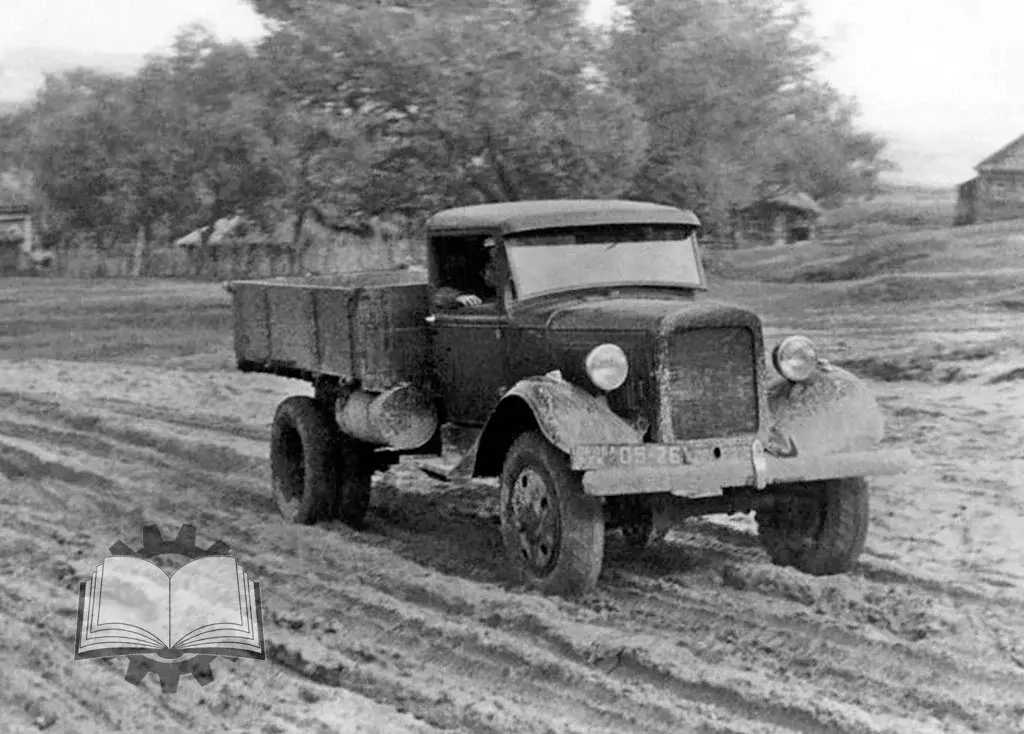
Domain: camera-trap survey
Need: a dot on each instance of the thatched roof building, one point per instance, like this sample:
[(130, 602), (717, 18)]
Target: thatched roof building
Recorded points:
[(779, 216)]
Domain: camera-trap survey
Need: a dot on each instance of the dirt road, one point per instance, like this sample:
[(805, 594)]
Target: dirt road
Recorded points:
[(119, 407)]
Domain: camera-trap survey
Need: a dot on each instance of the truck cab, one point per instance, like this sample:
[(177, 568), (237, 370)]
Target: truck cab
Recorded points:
[(542, 255)]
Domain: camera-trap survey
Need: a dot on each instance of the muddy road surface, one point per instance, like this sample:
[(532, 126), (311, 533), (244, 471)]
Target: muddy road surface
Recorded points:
[(119, 408)]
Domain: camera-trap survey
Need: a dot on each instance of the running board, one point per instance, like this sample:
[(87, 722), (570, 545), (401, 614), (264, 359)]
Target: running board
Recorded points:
[(442, 467), (448, 467), (436, 468)]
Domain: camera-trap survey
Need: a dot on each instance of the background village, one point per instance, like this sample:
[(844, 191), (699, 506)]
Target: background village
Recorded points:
[(324, 145), (322, 241)]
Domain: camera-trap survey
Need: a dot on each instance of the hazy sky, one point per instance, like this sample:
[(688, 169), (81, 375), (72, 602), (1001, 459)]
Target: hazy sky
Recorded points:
[(942, 79)]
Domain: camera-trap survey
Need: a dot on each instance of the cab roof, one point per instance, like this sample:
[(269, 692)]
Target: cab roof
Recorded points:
[(520, 216)]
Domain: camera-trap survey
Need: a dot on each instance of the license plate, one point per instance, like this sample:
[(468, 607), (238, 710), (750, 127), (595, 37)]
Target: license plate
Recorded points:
[(606, 456)]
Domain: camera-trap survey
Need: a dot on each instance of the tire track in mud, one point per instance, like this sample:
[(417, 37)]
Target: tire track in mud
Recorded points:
[(94, 439), (450, 604), (873, 647), (85, 440), (466, 656), (746, 633), (111, 419), (600, 662), (627, 669)]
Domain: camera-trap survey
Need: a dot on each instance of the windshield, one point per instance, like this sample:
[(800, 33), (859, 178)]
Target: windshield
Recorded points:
[(549, 262)]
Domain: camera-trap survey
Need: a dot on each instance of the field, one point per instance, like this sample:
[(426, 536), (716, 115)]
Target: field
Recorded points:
[(119, 407)]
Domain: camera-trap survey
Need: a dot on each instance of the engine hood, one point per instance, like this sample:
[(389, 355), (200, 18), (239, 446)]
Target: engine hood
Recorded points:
[(560, 334), (644, 315)]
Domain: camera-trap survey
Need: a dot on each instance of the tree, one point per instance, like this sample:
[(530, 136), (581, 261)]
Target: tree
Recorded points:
[(75, 145), (181, 143), (729, 93), (460, 102)]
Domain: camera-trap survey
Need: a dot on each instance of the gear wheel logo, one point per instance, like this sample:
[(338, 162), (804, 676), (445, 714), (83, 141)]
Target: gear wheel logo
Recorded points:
[(168, 665)]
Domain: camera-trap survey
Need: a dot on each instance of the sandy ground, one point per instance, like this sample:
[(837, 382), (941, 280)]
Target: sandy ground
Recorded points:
[(119, 407)]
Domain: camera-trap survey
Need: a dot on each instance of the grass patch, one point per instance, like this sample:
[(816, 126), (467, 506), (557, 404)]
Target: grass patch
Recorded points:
[(896, 207), (126, 321), (938, 364), (926, 287)]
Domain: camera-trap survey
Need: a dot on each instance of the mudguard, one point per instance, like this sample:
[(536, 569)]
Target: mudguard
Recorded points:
[(564, 414), (832, 412)]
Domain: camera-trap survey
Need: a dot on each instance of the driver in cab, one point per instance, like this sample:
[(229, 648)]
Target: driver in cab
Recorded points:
[(448, 298)]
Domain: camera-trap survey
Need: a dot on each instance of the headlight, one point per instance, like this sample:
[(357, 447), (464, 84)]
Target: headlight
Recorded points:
[(607, 366), (795, 358)]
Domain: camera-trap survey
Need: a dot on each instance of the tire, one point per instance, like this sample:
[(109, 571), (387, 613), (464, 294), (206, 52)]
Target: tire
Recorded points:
[(303, 451), (354, 472), (553, 532), (820, 533)]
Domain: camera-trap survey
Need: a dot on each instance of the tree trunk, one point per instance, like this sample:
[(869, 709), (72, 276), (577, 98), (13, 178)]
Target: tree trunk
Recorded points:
[(141, 241), (203, 250), (297, 232)]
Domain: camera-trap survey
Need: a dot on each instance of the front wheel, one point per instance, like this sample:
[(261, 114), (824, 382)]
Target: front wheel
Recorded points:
[(552, 530), (820, 531)]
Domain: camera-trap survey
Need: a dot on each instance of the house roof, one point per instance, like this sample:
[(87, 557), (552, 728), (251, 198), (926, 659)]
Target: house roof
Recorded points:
[(12, 202), (1008, 158), (788, 197), (519, 216), (796, 200), (241, 230), (222, 228)]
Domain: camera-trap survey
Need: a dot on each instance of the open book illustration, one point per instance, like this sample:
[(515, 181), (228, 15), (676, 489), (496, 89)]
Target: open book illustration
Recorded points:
[(208, 606)]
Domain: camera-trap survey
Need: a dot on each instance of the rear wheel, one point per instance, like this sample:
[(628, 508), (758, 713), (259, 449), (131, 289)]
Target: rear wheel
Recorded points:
[(303, 447), (821, 530), (552, 530)]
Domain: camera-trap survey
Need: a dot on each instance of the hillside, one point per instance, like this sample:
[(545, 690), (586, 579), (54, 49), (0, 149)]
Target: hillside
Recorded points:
[(875, 278)]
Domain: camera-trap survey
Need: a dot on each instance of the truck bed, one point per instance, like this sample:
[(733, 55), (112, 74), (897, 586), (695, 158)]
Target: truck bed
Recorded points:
[(367, 326)]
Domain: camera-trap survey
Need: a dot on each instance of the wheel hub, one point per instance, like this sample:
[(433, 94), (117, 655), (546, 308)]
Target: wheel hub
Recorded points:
[(535, 514)]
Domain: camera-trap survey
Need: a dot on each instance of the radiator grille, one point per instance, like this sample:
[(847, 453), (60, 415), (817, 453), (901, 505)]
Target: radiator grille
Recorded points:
[(713, 383)]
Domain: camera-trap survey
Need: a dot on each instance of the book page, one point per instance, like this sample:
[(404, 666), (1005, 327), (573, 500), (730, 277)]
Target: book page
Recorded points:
[(241, 630), (109, 640), (206, 592), (132, 596), (245, 640)]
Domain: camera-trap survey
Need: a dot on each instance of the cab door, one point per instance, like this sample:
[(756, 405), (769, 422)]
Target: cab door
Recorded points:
[(469, 354)]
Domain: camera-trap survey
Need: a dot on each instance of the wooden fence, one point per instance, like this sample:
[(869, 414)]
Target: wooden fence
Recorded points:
[(254, 259)]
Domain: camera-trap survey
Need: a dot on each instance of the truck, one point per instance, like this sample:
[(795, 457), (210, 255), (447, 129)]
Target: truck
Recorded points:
[(571, 350)]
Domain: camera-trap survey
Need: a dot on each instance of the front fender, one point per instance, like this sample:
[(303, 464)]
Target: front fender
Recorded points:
[(562, 412), (832, 412)]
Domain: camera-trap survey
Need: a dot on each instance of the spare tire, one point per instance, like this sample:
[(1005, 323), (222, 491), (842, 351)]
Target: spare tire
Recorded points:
[(303, 463)]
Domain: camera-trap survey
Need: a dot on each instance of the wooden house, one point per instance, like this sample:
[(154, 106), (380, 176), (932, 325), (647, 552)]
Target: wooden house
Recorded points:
[(319, 241), (16, 238), (778, 217), (997, 192)]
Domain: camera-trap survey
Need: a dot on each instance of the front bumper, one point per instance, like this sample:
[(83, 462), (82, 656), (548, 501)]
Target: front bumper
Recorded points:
[(708, 479)]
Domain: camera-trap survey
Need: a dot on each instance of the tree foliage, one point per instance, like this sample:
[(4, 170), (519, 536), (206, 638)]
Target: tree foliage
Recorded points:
[(728, 88), (366, 108)]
